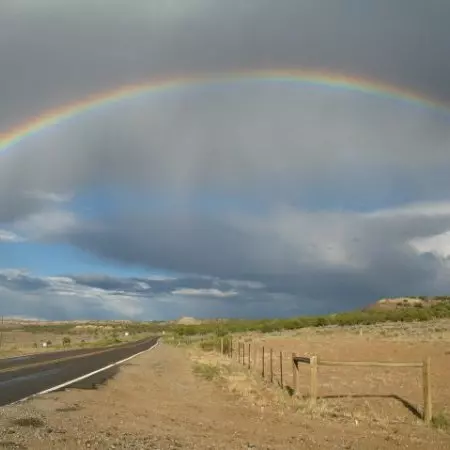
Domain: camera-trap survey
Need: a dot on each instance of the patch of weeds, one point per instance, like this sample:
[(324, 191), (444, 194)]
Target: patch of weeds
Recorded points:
[(290, 390), (69, 408), (228, 370), (331, 331), (441, 422), (207, 371), (33, 422), (12, 445)]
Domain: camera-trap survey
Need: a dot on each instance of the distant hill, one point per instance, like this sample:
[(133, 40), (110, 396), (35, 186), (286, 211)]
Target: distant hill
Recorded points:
[(193, 321), (406, 302), (188, 321)]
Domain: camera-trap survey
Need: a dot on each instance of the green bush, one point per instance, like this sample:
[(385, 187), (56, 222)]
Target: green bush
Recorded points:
[(206, 371), (215, 330), (441, 421), (215, 343)]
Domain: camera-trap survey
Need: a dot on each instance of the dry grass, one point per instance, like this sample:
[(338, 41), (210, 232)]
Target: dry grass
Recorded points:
[(382, 396), (33, 422), (239, 380), (19, 342), (441, 421), (207, 371)]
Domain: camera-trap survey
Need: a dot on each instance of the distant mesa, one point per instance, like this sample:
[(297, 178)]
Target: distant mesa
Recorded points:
[(188, 321), (407, 302)]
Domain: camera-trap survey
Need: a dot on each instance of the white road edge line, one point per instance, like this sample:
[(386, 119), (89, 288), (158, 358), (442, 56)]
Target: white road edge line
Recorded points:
[(83, 377)]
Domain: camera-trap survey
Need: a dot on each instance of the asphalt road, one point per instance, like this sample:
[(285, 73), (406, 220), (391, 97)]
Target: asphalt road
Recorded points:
[(24, 376)]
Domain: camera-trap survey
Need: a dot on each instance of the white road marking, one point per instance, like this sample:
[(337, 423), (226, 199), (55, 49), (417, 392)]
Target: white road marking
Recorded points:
[(83, 377)]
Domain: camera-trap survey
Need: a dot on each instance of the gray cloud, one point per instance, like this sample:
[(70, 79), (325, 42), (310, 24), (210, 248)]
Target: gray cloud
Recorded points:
[(403, 42), (249, 185), (312, 261), (9, 236), (271, 141), (285, 262), (215, 293), (99, 296), (285, 242)]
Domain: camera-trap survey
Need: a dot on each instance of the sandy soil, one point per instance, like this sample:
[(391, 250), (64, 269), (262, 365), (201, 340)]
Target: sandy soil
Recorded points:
[(380, 394), (161, 400), (19, 342)]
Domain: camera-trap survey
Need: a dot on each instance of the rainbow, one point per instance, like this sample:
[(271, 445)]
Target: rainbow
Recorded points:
[(55, 116)]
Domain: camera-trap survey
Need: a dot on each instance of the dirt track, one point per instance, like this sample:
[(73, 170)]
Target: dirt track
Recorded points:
[(157, 402)]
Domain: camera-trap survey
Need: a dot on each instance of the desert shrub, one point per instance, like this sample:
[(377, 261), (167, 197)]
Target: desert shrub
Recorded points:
[(214, 344), (407, 313), (322, 321), (34, 422), (207, 371), (221, 332), (208, 345), (441, 421)]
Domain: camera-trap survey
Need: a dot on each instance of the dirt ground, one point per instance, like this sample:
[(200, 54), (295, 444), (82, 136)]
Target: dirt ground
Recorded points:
[(366, 393), (18, 342), (15, 342), (178, 398)]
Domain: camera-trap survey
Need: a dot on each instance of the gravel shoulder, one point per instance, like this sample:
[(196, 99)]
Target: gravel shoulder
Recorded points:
[(156, 401)]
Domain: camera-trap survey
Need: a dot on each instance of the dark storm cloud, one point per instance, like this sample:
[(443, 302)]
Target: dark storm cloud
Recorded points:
[(152, 286), (63, 51), (272, 145), (341, 259), (286, 263), (276, 141), (105, 297), (15, 280), (14, 207)]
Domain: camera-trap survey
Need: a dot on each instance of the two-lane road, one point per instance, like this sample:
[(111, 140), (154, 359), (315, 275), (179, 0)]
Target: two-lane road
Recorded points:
[(22, 377)]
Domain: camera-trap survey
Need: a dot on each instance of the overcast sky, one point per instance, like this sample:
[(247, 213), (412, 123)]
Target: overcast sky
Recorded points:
[(260, 198)]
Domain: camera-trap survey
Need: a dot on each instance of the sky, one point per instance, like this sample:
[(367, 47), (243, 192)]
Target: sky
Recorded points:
[(253, 197)]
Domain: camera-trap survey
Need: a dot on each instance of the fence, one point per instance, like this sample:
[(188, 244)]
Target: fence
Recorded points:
[(271, 364), (314, 362)]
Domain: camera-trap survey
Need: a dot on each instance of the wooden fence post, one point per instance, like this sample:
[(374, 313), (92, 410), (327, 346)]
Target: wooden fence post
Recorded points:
[(263, 363), (294, 373), (281, 370), (221, 345), (313, 381), (231, 348), (243, 353), (249, 357), (427, 405), (271, 365)]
